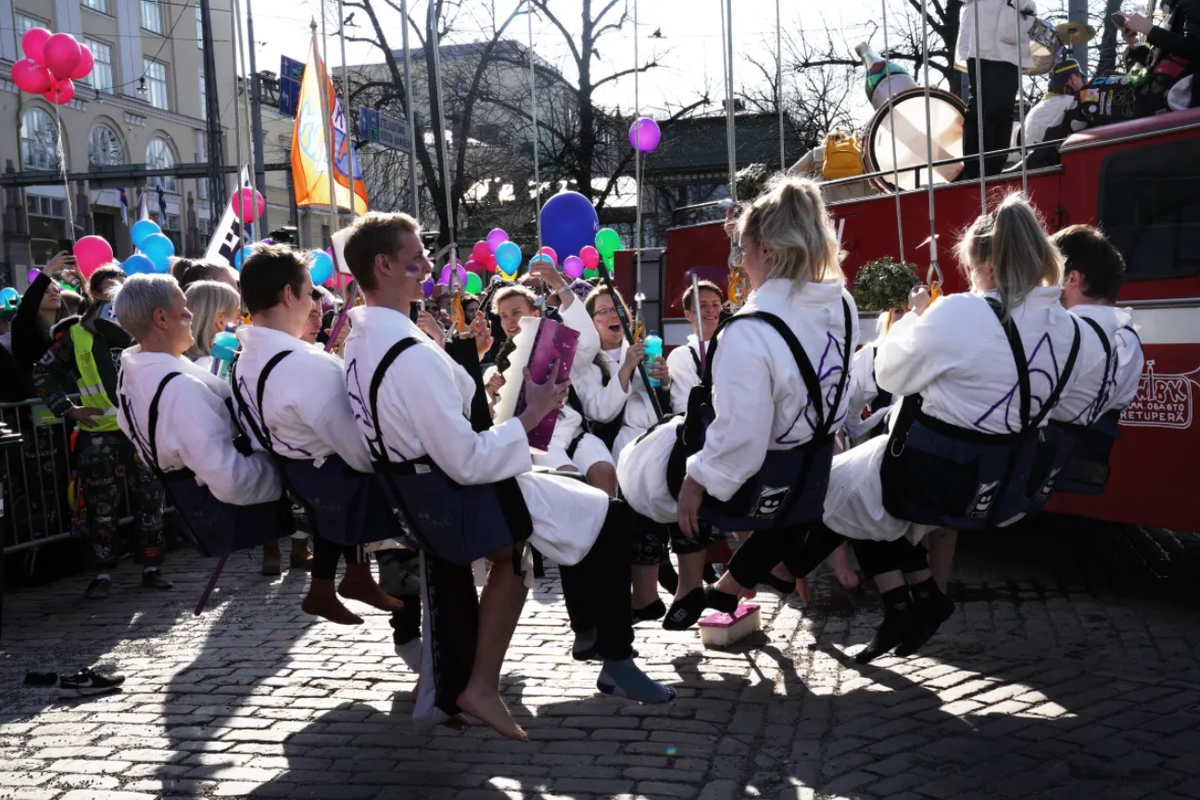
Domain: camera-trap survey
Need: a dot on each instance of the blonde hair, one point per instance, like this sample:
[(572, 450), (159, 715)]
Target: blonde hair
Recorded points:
[(1013, 238), (206, 299), (509, 292), (790, 218)]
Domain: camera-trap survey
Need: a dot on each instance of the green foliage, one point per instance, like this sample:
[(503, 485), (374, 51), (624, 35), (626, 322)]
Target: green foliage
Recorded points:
[(884, 284)]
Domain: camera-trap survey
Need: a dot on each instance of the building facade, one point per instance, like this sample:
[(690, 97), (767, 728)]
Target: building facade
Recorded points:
[(143, 104)]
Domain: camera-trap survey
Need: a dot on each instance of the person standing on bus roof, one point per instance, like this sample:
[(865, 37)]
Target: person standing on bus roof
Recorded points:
[(994, 65)]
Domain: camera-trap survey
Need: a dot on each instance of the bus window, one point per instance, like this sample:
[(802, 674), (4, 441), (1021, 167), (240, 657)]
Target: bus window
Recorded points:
[(1150, 209)]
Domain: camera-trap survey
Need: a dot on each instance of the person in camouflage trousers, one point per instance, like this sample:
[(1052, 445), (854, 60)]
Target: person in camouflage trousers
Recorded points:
[(85, 357)]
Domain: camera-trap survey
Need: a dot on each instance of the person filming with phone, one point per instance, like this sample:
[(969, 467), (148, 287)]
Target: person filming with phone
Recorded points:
[(1169, 54)]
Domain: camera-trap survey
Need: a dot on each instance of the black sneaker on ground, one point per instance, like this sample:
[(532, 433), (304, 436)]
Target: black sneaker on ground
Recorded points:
[(88, 682), (155, 580), (98, 589)]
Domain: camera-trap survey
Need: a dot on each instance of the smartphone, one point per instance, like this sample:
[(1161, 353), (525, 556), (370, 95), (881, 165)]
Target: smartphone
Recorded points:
[(1118, 20), (413, 310)]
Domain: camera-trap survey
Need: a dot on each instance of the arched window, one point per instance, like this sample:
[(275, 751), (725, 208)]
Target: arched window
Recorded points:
[(39, 140), (104, 147), (160, 156)]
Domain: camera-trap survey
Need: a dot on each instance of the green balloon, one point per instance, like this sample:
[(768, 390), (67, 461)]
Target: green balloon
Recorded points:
[(591, 273), (474, 284), (607, 242)]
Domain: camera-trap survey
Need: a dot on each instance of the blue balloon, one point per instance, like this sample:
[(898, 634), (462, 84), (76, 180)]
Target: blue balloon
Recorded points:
[(238, 257), (137, 263), (9, 296), (159, 249), (142, 229), (508, 257), (569, 223), (322, 267)]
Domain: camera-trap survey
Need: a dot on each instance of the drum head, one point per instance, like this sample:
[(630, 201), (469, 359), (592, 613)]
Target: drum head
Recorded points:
[(1041, 65), (907, 119)]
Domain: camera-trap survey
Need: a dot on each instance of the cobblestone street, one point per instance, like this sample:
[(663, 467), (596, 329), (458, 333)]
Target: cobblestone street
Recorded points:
[(1051, 681)]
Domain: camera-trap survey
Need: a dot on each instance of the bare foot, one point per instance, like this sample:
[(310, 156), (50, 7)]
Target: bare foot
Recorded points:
[(490, 710), (366, 590), (329, 608), (803, 591), (839, 562)]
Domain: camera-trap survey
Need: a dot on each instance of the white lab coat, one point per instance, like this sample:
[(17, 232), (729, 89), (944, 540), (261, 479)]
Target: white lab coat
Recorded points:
[(423, 402), (1086, 403), (998, 40), (863, 390), (758, 395), (194, 427), (685, 375), (957, 357), (305, 405)]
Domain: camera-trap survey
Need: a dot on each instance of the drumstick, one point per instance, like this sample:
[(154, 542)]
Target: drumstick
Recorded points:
[(696, 312)]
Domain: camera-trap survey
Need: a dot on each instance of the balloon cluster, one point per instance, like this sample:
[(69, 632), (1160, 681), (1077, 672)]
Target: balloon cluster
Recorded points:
[(155, 250), (51, 65)]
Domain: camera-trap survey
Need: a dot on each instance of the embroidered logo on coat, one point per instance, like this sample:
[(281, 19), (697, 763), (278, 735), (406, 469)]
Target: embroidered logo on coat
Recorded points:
[(984, 496), (769, 501)]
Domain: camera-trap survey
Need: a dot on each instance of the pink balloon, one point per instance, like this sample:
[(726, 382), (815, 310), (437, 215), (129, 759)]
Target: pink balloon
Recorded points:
[(34, 43), (644, 134), (32, 77), (61, 93), (480, 252), (62, 55), (495, 238), (590, 257), (92, 252), (573, 267), (86, 62), (247, 204), (549, 251)]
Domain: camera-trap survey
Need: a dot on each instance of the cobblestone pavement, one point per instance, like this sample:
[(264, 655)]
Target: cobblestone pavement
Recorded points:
[(1050, 682)]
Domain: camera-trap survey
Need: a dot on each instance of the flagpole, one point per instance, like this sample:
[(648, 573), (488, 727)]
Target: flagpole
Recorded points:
[(412, 122), (235, 31), (323, 95), (350, 157)]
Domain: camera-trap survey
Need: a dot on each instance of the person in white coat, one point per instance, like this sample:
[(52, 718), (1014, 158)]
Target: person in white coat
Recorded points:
[(1003, 33), (195, 429), (421, 403), (684, 363), (305, 415), (956, 356), (790, 256)]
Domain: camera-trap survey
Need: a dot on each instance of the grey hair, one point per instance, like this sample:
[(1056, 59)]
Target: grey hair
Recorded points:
[(206, 299), (137, 299)]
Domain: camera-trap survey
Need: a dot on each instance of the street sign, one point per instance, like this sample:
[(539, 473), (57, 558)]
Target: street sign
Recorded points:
[(291, 73), (383, 128)]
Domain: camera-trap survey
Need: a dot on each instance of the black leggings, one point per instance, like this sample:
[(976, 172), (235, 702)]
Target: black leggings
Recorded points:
[(802, 548), (325, 557), (596, 590)]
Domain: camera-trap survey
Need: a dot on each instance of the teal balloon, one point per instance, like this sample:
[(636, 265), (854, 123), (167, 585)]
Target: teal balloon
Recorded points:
[(238, 257), (159, 249), (508, 257), (9, 296), (141, 230), (137, 263), (322, 267)]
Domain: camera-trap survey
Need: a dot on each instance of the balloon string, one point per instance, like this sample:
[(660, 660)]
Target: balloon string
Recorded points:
[(62, 166)]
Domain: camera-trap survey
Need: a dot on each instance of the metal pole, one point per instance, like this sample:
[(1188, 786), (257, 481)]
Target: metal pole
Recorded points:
[(440, 139), (323, 94), (730, 122), (216, 159), (779, 83), (235, 28), (537, 172), (350, 158), (412, 123), (260, 172)]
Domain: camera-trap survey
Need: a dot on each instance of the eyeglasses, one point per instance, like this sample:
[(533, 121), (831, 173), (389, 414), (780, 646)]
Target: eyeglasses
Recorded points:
[(603, 312)]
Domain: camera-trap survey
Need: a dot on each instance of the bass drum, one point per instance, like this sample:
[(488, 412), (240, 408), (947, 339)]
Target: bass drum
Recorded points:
[(908, 112)]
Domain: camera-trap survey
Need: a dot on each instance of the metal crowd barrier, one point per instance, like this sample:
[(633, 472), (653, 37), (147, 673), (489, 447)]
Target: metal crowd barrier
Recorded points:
[(37, 479)]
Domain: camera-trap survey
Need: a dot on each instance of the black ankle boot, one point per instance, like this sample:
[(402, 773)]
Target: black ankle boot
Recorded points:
[(933, 608), (900, 621)]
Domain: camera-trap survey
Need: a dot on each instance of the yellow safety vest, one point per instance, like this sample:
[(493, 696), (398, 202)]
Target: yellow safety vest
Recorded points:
[(91, 387)]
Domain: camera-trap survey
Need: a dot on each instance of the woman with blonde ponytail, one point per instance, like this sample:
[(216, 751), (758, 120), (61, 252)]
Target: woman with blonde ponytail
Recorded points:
[(773, 396), (955, 362)]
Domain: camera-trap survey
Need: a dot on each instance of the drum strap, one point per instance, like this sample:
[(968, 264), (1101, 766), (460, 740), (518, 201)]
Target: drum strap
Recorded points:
[(259, 427), (377, 447), (148, 443), (1109, 369)]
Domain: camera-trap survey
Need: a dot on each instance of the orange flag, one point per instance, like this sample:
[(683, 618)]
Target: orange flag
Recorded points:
[(310, 152)]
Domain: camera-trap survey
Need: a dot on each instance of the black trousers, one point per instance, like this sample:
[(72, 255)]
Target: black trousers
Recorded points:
[(326, 554), (1001, 81), (803, 548), (596, 590)]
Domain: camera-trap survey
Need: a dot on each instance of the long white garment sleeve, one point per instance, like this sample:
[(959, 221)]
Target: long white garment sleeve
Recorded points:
[(195, 429), (305, 406), (957, 357), (422, 405), (759, 396), (683, 364)]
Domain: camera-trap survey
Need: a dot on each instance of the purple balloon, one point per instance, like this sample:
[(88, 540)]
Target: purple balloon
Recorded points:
[(427, 287), (573, 267), (267, 240), (462, 275), (644, 134), (495, 238), (31, 276)]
